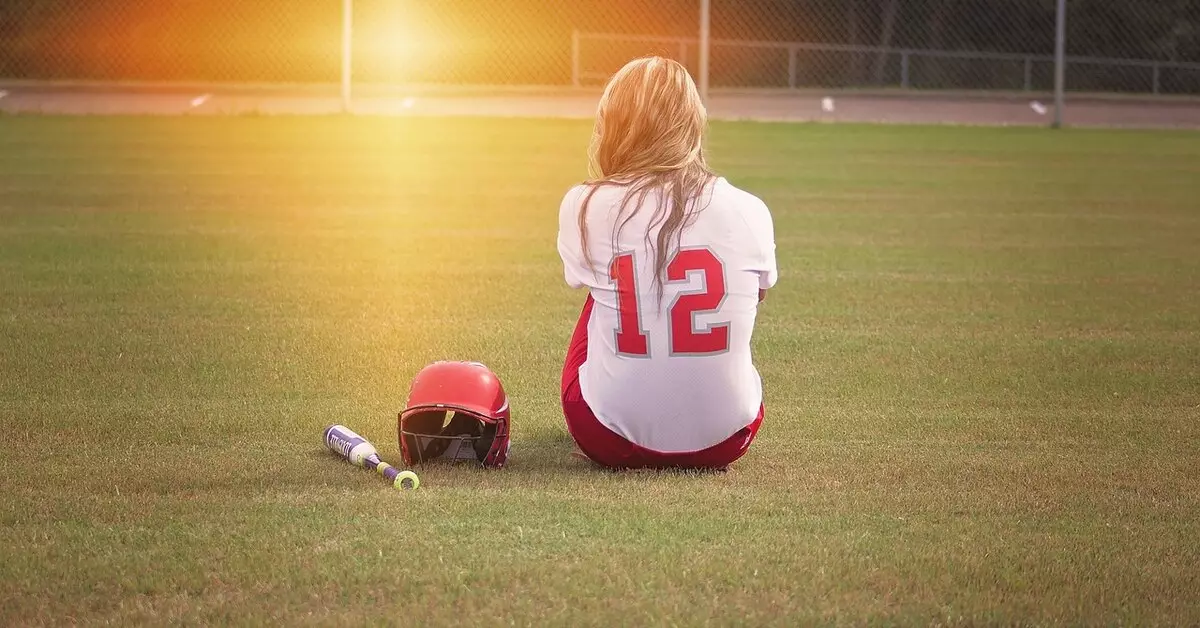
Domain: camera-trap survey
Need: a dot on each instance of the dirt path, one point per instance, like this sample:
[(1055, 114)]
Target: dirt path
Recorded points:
[(797, 106)]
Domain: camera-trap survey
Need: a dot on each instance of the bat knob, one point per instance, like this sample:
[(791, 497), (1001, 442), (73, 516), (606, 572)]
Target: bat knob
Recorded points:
[(406, 480), (400, 479)]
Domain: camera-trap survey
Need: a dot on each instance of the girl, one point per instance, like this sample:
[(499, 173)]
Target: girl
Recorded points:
[(676, 260)]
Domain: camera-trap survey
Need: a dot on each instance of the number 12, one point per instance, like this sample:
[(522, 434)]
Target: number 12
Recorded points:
[(683, 337)]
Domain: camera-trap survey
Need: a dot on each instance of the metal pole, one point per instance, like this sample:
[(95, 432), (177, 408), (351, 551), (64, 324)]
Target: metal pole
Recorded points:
[(904, 69), (705, 9), (1028, 73), (1156, 77), (575, 58), (347, 38), (1060, 63), (791, 67)]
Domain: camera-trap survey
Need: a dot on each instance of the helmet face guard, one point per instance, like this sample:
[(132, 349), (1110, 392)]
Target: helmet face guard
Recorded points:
[(428, 434), (456, 411)]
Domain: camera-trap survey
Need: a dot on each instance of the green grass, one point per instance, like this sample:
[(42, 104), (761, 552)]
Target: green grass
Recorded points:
[(982, 370)]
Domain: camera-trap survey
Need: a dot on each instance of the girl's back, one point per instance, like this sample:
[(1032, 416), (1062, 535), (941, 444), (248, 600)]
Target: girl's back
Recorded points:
[(668, 366)]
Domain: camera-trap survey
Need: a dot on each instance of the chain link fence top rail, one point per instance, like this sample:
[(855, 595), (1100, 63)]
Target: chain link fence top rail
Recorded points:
[(1150, 46)]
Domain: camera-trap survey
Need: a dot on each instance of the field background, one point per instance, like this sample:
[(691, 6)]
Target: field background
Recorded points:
[(891, 106), (982, 369)]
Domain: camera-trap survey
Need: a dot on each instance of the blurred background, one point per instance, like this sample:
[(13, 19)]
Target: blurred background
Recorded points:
[(993, 49)]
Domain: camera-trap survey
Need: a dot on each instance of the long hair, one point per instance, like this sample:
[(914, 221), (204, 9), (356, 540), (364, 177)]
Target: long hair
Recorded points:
[(648, 138)]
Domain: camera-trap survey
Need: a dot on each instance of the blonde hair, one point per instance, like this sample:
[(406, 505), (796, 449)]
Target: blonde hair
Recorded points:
[(649, 136)]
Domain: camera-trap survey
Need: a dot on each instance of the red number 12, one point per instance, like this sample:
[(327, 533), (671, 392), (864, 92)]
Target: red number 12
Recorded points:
[(684, 338)]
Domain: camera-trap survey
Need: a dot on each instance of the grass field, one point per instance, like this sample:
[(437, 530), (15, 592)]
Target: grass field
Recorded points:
[(982, 370)]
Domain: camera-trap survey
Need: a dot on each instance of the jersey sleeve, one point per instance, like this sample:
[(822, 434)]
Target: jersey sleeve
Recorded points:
[(762, 233), (569, 248)]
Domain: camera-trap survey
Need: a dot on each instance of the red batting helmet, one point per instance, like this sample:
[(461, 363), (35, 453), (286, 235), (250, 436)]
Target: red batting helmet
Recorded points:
[(455, 411)]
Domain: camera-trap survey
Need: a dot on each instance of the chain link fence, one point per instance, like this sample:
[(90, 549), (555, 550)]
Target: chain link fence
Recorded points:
[(1126, 46), (1134, 46)]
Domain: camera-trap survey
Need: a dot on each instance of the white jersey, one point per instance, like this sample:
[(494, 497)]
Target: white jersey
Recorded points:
[(671, 374)]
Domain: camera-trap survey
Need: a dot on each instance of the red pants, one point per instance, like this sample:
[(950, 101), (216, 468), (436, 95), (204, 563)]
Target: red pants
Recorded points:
[(612, 450)]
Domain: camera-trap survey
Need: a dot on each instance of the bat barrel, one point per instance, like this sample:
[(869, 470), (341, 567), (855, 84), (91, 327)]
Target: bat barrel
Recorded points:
[(346, 443)]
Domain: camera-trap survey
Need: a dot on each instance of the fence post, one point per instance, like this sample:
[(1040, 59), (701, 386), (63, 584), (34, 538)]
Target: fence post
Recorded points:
[(683, 53), (904, 69), (575, 58), (1156, 77), (1028, 73), (791, 67), (705, 10), (347, 39), (1060, 62)]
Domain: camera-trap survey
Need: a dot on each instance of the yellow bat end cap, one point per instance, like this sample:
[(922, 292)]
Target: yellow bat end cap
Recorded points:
[(407, 480)]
